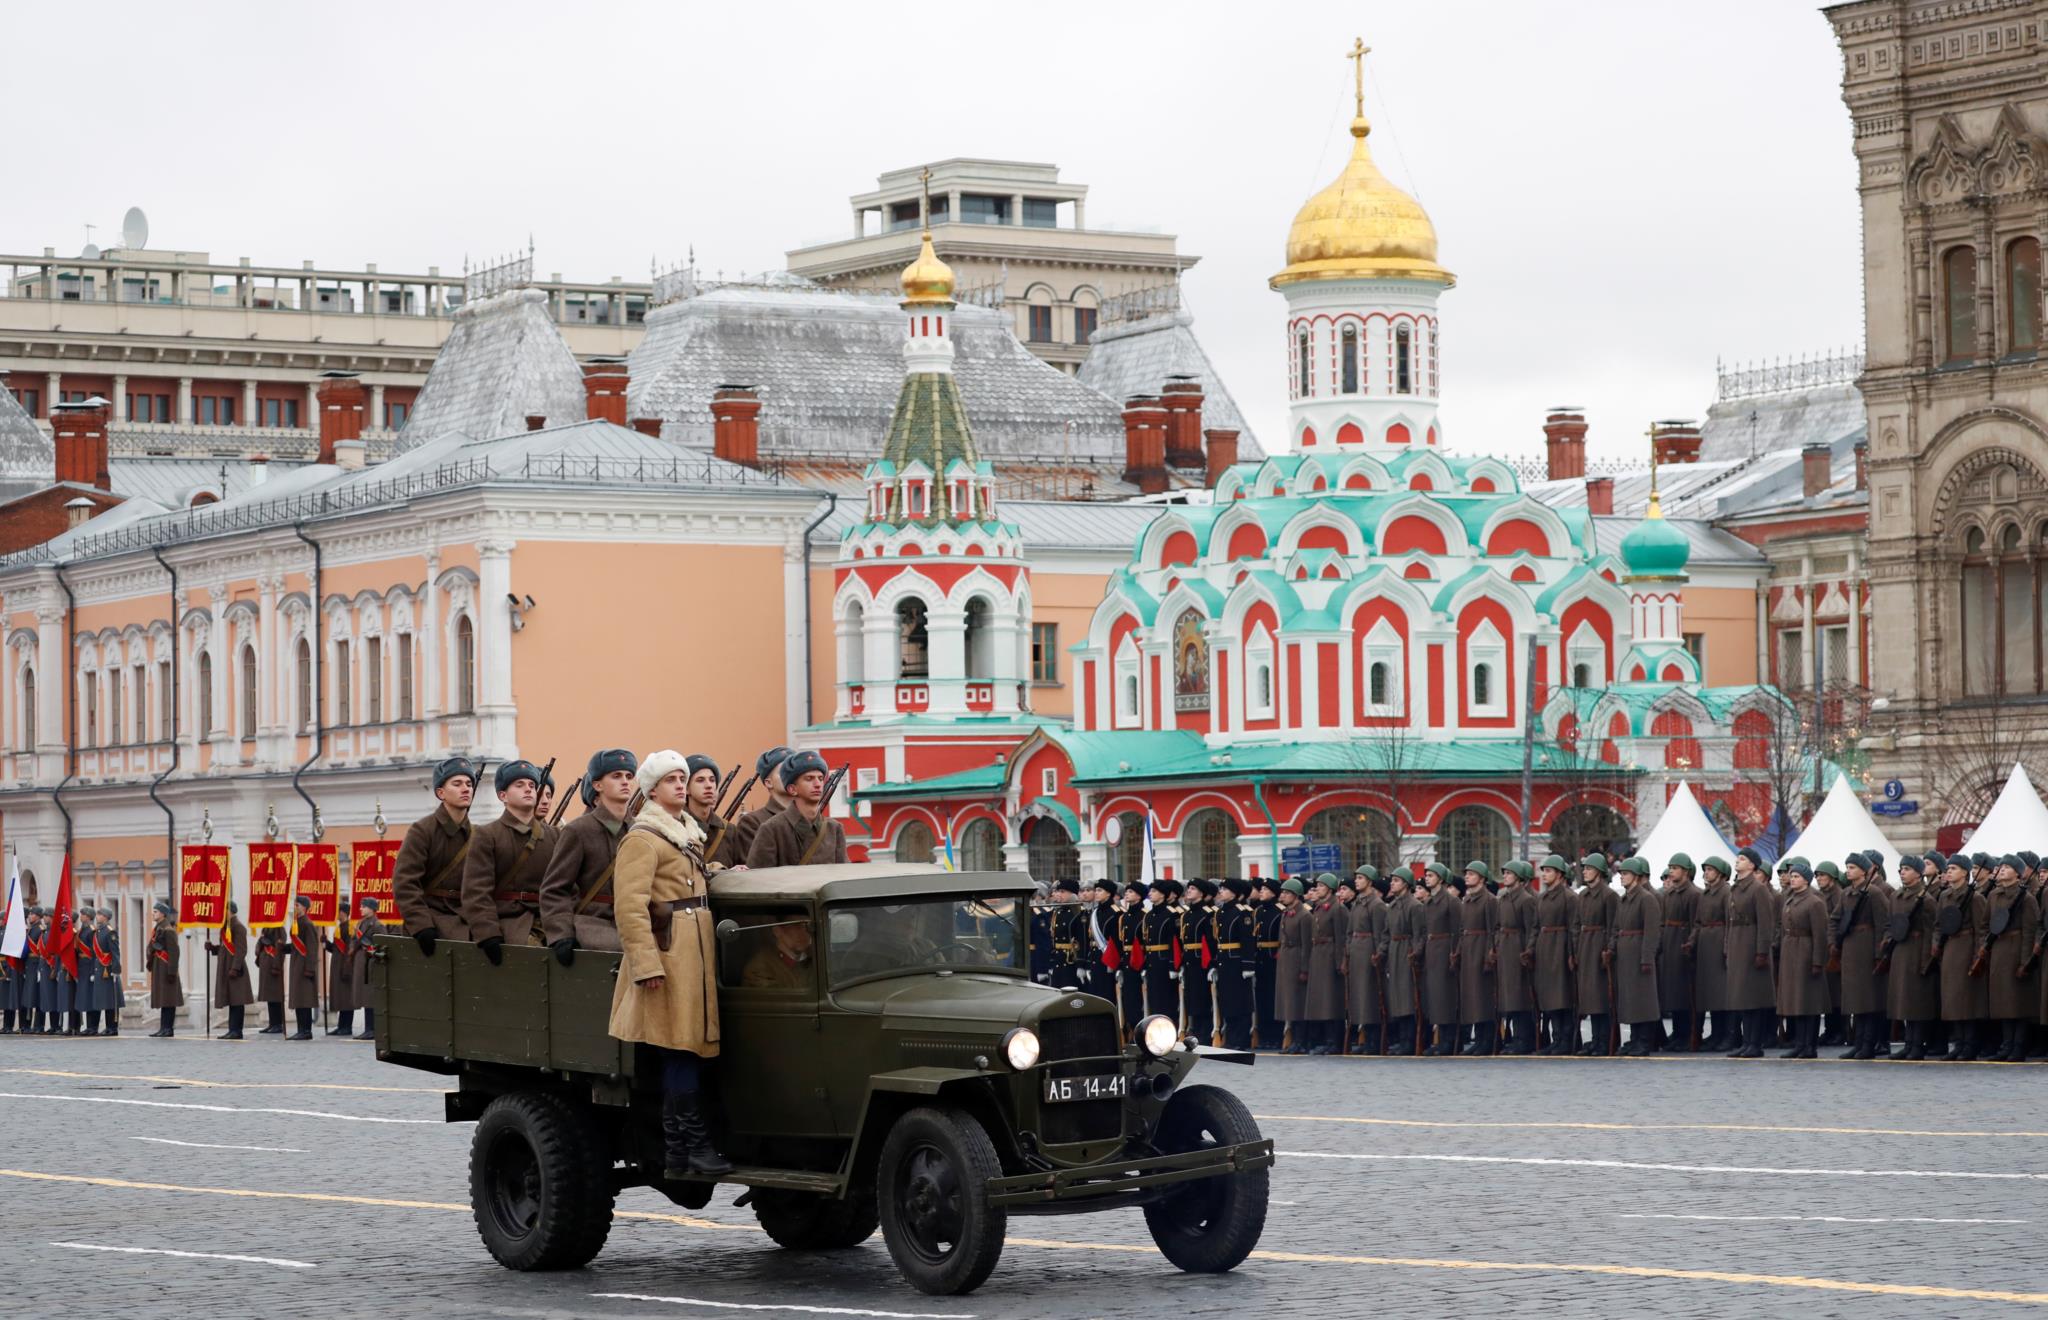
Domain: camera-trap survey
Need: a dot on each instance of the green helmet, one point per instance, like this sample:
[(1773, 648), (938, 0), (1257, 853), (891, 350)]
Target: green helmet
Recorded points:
[(1720, 864), (1682, 862), (1556, 863), (1598, 861), (1828, 869), (1635, 866), (1327, 879), (1368, 873), (1521, 869), (1439, 870), (1480, 869), (1294, 886)]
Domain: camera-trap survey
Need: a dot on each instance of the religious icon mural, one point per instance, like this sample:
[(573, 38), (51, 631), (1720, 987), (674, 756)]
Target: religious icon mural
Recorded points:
[(1190, 663)]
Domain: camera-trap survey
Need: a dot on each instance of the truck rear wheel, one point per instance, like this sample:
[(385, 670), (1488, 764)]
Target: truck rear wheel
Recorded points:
[(810, 1221), (932, 1192), (1210, 1225), (539, 1186)]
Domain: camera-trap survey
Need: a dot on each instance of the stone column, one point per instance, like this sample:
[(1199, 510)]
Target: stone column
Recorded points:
[(1987, 275), (497, 718), (1923, 283), (53, 683), (220, 645), (879, 659), (184, 401), (376, 417), (1003, 629), (310, 418), (120, 398), (271, 722), (249, 415), (430, 624), (946, 630)]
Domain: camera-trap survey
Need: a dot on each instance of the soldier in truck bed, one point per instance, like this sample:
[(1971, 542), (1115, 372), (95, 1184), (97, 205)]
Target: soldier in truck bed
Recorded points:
[(803, 835), (576, 891), (739, 840), (507, 858), (426, 881)]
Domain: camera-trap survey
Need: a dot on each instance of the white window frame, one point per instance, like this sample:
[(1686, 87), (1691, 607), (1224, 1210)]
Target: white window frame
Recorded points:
[(1793, 677), (1258, 666), (1585, 648), (1127, 697), (1487, 647), (1048, 781), (1383, 646)]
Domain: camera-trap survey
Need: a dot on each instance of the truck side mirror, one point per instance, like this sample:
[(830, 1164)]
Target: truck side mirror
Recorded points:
[(728, 930)]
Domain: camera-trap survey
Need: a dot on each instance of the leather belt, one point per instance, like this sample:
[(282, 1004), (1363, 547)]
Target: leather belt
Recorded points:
[(1324, 940), (1547, 930), (1442, 935), (520, 896), (1674, 923), (1712, 925), (679, 905), (1620, 933), (1861, 925)]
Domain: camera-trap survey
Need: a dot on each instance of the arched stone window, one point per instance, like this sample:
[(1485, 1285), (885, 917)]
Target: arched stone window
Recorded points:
[(1469, 833), (1589, 827), (1050, 852), (1582, 675), (1208, 844), (1404, 360), (1959, 299), (914, 842), (981, 847), (979, 640), (1258, 661), (853, 655), (205, 699), (913, 641), (465, 666), (248, 692), (304, 674), (1377, 687), (1127, 854), (2022, 295), (344, 708), (1364, 837), (1301, 365), (1350, 359)]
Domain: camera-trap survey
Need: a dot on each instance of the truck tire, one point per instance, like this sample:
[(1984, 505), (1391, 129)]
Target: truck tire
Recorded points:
[(810, 1221), (539, 1187), (931, 1191), (1210, 1225)]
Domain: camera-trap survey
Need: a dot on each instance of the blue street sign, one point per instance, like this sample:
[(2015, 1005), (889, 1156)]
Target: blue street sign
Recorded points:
[(1293, 860), (1325, 856), (1893, 790), (1895, 808)]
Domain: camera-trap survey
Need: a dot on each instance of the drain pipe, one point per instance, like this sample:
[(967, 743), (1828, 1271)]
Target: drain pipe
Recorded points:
[(71, 708), (810, 702), (319, 705), (170, 817), (1272, 826)]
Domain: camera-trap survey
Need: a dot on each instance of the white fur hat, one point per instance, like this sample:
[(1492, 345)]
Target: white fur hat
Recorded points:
[(659, 766)]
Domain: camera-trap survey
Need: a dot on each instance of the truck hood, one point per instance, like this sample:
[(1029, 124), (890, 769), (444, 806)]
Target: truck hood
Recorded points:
[(925, 1001)]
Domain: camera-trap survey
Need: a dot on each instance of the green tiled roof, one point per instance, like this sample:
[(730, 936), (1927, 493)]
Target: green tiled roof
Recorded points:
[(982, 780), (1458, 758), (929, 427)]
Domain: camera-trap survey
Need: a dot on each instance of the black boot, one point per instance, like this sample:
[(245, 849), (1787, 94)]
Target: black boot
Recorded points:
[(113, 1027), (164, 1027), (273, 1015), (1967, 1035), (344, 1025), (7, 1022), (1905, 1053), (234, 1031), (305, 1031), (369, 1025), (687, 1148)]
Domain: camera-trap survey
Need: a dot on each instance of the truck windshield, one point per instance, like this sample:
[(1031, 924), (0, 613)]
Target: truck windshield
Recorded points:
[(867, 940)]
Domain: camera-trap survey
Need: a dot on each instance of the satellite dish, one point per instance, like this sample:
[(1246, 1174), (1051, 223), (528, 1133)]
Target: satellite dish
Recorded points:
[(135, 228), (91, 252)]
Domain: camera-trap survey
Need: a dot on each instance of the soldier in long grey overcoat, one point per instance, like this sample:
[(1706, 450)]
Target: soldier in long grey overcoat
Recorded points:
[(166, 994), (111, 999), (85, 1017), (1514, 961), (1290, 985), (2013, 920), (302, 968), (1554, 959), (1402, 963), (1477, 958), (1439, 977), (1751, 939), (1802, 959), (1864, 913), (1962, 939), (1323, 1008), (1592, 932), (1905, 957), (1365, 927), (1638, 925), (1678, 902), (1706, 945)]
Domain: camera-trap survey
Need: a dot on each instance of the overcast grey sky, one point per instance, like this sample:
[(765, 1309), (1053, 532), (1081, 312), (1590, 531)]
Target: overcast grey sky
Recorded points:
[(1624, 190)]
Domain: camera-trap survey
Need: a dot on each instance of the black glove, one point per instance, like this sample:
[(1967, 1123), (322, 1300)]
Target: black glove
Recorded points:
[(565, 950), (426, 939), (493, 948)]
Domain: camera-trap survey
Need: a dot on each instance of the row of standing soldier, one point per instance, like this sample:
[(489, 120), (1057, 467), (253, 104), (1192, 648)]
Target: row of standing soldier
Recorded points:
[(43, 993), (1524, 962)]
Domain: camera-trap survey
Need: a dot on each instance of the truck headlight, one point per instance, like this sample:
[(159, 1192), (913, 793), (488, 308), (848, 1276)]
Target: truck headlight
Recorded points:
[(1020, 1047), (1158, 1035)]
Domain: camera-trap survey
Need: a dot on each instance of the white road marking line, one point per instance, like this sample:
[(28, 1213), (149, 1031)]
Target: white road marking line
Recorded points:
[(216, 1109), (1823, 1219), (208, 1145), (788, 1306), (190, 1255), (1672, 1168)]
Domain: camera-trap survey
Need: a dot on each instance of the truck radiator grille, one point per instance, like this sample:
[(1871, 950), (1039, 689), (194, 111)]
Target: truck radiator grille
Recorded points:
[(1083, 1120), (1077, 1037)]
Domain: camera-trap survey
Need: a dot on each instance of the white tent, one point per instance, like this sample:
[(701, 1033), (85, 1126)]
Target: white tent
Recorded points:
[(2017, 820), (1683, 828), (1841, 827)]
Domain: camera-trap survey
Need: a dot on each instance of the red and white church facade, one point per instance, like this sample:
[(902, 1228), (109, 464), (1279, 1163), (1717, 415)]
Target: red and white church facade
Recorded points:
[(1347, 645)]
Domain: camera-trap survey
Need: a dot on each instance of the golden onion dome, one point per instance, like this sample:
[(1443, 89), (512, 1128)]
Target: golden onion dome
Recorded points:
[(1361, 227), (927, 280)]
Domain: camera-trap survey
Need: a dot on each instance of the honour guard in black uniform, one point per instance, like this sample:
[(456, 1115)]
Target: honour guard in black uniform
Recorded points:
[(1237, 956), (1160, 931), (85, 988), (1130, 939), (29, 996), (1266, 936), (1198, 961), (1066, 934), (1041, 941)]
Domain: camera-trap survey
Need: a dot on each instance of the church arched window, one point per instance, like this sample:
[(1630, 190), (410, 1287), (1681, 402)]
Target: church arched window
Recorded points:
[(980, 640), (913, 642), (1482, 685), (1404, 360), (1350, 359), (1959, 298), (1377, 687), (853, 658), (2022, 295), (1582, 675), (1301, 365)]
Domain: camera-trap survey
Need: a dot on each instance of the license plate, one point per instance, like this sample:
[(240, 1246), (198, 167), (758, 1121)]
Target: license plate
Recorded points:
[(1108, 1086)]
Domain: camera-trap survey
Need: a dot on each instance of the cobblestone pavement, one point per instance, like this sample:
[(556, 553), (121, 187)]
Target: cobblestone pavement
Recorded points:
[(1674, 1187)]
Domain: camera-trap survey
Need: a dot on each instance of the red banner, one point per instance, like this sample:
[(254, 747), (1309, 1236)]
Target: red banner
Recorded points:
[(270, 884), (202, 886), (319, 881), (371, 866)]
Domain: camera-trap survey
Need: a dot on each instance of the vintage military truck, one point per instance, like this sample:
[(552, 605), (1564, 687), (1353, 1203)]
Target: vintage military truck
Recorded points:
[(885, 1058)]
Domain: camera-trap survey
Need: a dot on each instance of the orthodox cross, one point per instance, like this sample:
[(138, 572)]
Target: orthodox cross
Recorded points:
[(1359, 50), (924, 180)]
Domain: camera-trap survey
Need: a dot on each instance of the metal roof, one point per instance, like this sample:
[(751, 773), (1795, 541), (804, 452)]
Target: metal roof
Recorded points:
[(1044, 524), (504, 361), (27, 455), (1137, 357)]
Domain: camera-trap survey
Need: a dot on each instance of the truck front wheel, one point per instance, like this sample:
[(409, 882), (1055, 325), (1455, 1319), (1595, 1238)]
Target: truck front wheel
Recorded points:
[(810, 1221), (539, 1186), (1210, 1225), (933, 1196)]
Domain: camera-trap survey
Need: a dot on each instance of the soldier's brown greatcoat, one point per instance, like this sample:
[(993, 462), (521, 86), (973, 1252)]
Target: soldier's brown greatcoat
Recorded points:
[(583, 863), (1365, 951), (1514, 945), (786, 838), (1638, 925), (1554, 909), (1478, 915), (2010, 995), (501, 879), (1593, 912), (1751, 936), (302, 964), (1869, 910), (1440, 923), (738, 842), (1964, 998), (1679, 902), (164, 988), (1326, 925), (660, 865), (1913, 989), (270, 966), (1402, 924), (1290, 982), (341, 970), (231, 965), (426, 880), (1706, 944), (1803, 956)]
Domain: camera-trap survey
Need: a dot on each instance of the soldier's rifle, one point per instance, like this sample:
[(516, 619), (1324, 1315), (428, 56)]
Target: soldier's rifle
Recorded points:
[(562, 801), (832, 784), (723, 785), (739, 800)]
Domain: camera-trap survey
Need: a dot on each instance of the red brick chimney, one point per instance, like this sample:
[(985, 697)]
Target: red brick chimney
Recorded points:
[(1817, 468), (535, 422), (1863, 465), (1600, 495), (604, 390), (1564, 442), (648, 426), (342, 398), (1145, 443), (1182, 398), (736, 427), (80, 431), (1222, 454), (1675, 442)]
